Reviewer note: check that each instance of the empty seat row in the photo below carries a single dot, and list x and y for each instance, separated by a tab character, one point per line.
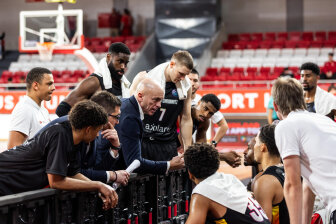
267	44
275	52
269	62
65	76
319	35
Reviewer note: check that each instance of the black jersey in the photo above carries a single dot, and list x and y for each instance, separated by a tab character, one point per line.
254	214
116	87
25	167
162	125
279	211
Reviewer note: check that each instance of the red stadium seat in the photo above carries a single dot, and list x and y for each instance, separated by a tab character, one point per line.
270	36
256	36
308	36
266	44
303	44
252	69
96	41
252	45
278	44
282	36
6	74
239	45
244	37
332	35
320	35
290	44
100	48
294	36
211	72
329	43
56	73
227	45
224	72
316	44
278	70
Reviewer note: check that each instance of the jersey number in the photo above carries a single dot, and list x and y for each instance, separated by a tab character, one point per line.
163	111
257	213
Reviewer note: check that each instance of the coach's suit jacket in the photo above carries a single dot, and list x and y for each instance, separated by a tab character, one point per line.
130	134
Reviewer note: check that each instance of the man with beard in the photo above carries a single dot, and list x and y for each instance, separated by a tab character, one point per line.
201	113
317	100
109	76
29	115
217	118
250	161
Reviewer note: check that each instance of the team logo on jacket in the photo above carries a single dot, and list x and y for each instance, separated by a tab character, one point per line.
174	92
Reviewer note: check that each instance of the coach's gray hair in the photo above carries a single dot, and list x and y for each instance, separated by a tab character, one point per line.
287	94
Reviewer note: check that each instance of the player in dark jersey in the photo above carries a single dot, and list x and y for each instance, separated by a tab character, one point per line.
109	76
268	188
159	139
218	198
52	157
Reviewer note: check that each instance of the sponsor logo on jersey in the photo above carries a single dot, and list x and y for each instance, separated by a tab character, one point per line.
174	93
156	128
170	101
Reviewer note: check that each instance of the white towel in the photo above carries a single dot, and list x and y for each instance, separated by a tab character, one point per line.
324	101
157	74
104	72
226	190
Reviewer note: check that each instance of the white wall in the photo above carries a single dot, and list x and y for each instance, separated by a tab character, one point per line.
319	15
242	16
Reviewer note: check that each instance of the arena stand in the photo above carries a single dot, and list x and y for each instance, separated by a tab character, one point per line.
68	68
263	56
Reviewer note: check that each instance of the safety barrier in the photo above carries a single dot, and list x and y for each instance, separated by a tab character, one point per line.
146	199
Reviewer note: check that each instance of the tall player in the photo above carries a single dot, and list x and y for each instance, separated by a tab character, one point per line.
159	140
109	76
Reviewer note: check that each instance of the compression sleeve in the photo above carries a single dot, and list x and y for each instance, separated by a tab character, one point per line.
63	109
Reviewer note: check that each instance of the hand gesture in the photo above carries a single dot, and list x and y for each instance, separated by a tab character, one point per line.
108	195
111	134
177	162
121	178
232	158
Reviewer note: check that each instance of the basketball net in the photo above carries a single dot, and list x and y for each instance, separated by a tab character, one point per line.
45	50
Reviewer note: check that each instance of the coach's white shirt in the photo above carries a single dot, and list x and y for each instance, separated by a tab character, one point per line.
312	137
28	117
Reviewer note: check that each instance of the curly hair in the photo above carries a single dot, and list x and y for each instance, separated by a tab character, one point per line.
119	47
107	100
311	66
266	136
202	160
213	99
87	113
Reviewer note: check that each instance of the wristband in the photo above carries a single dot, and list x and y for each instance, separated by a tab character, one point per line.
214	143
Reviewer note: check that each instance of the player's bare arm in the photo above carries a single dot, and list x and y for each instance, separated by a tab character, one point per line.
186	122
84	90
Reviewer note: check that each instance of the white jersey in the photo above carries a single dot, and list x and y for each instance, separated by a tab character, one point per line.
312	137
217	117
28	117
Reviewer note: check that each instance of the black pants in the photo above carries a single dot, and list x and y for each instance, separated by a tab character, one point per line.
333	217
158	151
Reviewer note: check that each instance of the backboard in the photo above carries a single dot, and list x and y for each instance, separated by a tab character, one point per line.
63	27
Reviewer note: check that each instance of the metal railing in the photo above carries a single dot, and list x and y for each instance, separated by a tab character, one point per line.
146	199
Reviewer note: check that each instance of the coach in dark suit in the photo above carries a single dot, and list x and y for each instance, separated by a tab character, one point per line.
146	100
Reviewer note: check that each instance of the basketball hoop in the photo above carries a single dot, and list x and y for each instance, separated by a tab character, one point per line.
45	50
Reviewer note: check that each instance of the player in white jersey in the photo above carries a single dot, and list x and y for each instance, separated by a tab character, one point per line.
306	142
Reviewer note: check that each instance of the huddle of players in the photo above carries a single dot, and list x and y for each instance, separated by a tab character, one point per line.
217	198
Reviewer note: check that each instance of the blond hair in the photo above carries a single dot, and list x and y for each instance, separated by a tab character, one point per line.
183	58
287	94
